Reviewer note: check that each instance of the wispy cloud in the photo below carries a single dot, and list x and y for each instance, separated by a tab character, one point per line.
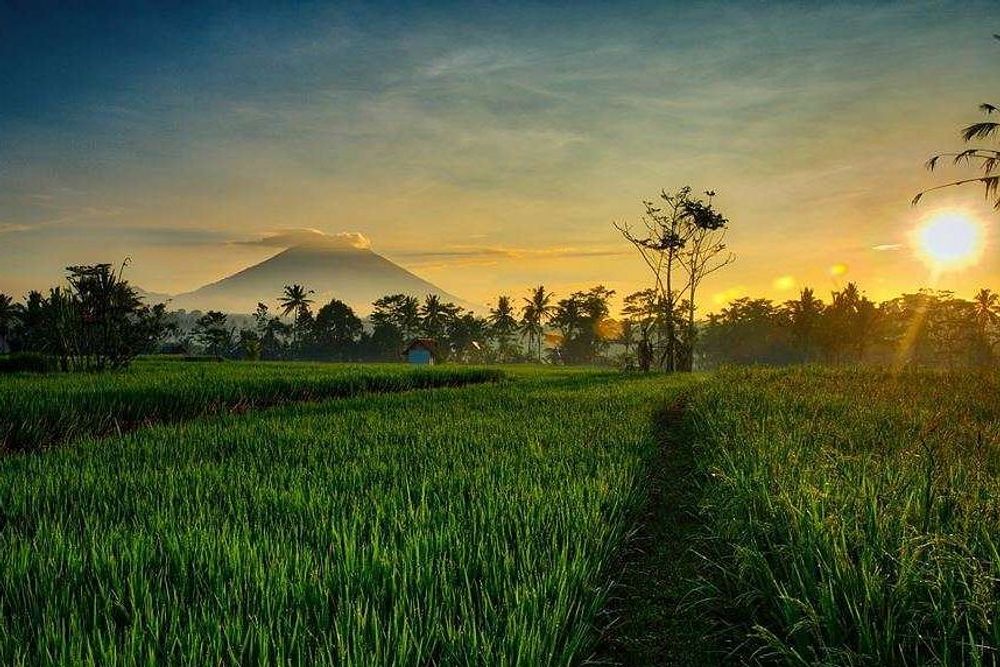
8	227
887	247
467	254
473	61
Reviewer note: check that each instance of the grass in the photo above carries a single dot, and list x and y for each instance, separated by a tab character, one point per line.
851	517
39	411
471	525
819	516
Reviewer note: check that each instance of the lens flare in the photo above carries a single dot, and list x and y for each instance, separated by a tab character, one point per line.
949	240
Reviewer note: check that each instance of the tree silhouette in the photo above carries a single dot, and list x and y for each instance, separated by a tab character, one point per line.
535	313
435	315
986	305
646	309
805	317
9	317
336	329
270	331
395	318
467	334
987	159
703	254
212	330
503	326
681	241
580	319
294	299
850	325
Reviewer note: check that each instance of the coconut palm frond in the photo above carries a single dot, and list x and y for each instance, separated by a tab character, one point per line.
989	159
980	131
991	184
988	108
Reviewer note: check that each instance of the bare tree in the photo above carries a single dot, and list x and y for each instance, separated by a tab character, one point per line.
659	239
703	254
681	241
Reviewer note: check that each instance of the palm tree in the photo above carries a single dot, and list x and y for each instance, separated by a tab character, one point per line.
535	313
987	304
804	315
987	159
503	325
435	316
9	312
987	309
295	298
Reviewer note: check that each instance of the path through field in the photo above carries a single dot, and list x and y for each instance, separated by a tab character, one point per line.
652	618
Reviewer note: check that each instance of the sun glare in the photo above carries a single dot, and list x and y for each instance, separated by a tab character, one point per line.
949	240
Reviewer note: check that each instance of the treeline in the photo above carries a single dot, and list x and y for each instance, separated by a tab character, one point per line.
927	328
97	321
571	330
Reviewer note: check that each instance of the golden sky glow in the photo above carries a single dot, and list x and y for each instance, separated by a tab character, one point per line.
490	150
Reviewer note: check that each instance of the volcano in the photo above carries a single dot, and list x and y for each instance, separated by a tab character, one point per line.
356	276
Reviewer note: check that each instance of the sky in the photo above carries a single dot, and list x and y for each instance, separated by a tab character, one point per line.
489	147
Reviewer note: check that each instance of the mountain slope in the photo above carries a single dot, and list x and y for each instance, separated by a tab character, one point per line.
353	275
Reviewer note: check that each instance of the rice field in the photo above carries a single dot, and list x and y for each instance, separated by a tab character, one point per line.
312	514
851	517
471	525
37	411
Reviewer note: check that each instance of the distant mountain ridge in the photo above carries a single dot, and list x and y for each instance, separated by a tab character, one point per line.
356	276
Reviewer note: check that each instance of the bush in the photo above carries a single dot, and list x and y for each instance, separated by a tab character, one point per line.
27	362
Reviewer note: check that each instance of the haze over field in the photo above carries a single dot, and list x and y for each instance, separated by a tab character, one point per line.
486	148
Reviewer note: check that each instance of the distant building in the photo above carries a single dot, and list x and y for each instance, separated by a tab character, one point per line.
421	351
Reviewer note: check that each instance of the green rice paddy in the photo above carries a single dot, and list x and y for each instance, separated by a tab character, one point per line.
310	514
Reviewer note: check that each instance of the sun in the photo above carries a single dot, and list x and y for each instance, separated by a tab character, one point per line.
949	240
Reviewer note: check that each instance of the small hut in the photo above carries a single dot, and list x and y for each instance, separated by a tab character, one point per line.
421	351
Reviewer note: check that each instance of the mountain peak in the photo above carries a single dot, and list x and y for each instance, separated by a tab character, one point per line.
333	266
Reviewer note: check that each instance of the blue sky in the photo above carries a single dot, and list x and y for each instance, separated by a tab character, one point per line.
485	146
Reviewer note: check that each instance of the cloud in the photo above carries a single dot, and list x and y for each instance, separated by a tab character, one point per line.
883	247
474	61
7	227
287	238
469	254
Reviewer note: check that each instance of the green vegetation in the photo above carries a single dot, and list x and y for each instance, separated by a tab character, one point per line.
808	515
39	411
851	516
472	525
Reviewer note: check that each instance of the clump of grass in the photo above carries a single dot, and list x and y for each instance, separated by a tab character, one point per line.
36	412
457	526
853	516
